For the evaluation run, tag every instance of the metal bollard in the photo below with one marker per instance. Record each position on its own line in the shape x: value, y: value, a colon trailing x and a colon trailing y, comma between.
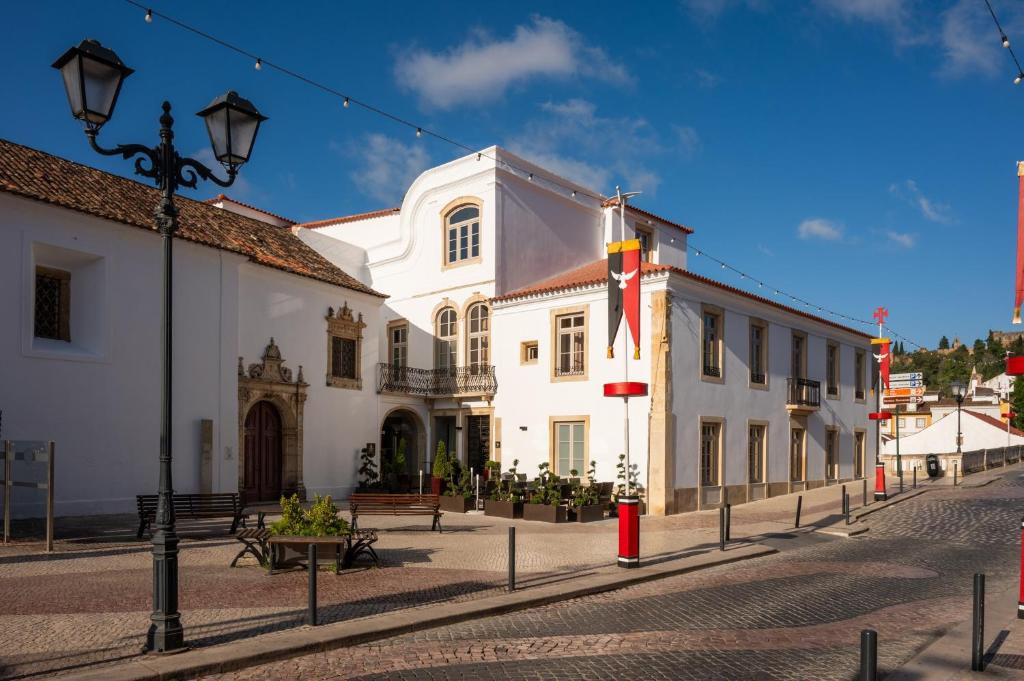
x: 721, y: 528
x: 799, y: 505
x: 728, y: 522
x: 846, y: 511
x: 978, y: 630
x: 954, y: 474
x: 868, y: 655
x: 842, y: 498
x: 901, y: 481
x: 311, y: 613
x: 511, y: 559
x: 864, y: 500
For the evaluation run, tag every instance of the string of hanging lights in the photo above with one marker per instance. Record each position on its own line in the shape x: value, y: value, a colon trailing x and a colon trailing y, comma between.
x: 574, y: 192
x: 1005, y: 42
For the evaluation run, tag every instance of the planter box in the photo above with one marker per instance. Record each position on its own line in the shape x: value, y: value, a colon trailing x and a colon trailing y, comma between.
x: 456, y: 504
x: 435, y: 485
x: 588, y: 514
x: 503, y: 509
x: 545, y: 513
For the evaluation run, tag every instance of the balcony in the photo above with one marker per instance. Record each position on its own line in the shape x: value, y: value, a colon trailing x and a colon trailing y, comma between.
x: 462, y: 381
x: 803, y: 396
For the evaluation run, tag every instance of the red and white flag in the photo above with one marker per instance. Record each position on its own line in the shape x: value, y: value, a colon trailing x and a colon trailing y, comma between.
x: 1020, y: 243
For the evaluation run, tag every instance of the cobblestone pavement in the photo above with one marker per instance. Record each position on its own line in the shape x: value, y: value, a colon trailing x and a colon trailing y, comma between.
x: 793, y: 615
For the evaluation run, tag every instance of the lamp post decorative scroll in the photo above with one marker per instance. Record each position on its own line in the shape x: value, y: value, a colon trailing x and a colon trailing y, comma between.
x: 93, y: 76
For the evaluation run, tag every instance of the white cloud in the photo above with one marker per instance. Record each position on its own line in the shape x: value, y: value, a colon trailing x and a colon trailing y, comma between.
x: 572, y: 140
x: 931, y: 210
x: 820, y: 228
x: 386, y: 166
x: 902, y: 239
x: 969, y: 41
x: 706, y: 79
x: 886, y: 12
x: 708, y: 11
x: 764, y: 250
x: 483, y: 68
x: 689, y: 140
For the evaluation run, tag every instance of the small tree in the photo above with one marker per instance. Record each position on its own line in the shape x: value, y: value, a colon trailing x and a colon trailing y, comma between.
x: 442, y: 464
x: 368, y: 469
x: 1017, y: 404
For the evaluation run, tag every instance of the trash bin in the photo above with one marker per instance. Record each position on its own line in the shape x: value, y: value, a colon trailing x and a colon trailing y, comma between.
x: 932, y: 461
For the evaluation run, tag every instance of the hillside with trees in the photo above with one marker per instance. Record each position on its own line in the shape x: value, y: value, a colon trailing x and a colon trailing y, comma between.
x: 945, y: 365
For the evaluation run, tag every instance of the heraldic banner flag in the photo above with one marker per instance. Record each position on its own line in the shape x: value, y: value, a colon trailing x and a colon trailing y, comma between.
x: 1019, y: 292
x: 624, y: 291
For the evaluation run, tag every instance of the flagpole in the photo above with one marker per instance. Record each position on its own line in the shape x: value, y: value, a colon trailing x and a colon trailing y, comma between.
x: 625, y: 339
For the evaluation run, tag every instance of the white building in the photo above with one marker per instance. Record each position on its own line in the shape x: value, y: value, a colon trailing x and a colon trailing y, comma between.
x: 491, y: 338
x: 979, y: 431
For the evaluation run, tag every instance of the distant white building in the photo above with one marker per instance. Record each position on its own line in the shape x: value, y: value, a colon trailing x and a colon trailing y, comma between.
x: 979, y: 431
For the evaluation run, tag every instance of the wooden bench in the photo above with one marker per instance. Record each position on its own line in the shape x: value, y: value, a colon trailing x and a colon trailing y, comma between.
x: 192, y: 506
x: 395, y: 504
x: 346, y: 547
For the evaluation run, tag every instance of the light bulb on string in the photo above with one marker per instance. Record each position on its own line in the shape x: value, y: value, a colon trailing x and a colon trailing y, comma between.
x: 345, y: 102
x: 530, y: 177
x: 259, y: 64
x: 419, y: 132
x: 1006, y: 42
x: 574, y: 193
x: 1018, y: 79
x: 149, y: 16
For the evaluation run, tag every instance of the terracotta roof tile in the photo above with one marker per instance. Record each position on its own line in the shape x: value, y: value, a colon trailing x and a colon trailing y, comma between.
x: 597, y: 273
x: 349, y: 218
x: 614, y: 201
x: 225, y: 197
x: 992, y: 421
x: 37, y: 175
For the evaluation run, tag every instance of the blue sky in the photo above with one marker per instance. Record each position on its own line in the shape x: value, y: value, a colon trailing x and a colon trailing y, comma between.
x: 851, y: 152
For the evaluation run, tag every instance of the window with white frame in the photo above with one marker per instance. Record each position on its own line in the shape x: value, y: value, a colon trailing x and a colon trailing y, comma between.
x: 756, y: 449
x: 344, y: 350
x: 758, y: 353
x: 919, y: 423
x: 646, y: 239
x: 478, y: 336
x: 711, y: 347
x: 799, y: 365
x: 446, y: 339
x: 462, y: 234
x: 831, y: 454
x: 570, y: 447
x: 796, y: 454
x: 859, y: 364
x: 52, y: 304
x: 832, y: 369
x: 398, y: 345
x: 710, y: 452
x: 571, y: 343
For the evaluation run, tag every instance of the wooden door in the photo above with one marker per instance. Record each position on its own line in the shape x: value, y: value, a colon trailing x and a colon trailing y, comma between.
x: 262, y: 475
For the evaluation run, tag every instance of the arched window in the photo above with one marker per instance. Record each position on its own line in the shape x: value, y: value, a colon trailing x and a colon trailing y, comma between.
x: 478, y: 335
x: 446, y: 333
x: 462, y: 233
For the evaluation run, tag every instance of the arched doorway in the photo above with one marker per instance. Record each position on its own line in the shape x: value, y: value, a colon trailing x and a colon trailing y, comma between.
x: 400, y: 445
x: 261, y: 479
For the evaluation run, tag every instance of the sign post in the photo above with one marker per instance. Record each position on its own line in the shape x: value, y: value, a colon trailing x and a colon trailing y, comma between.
x: 624, y: 267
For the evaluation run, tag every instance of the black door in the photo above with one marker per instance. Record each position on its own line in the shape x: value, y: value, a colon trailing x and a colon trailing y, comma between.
x: 478, y: 442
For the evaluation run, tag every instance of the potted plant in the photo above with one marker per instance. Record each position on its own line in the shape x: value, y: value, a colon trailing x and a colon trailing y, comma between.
x: 492, y: 469
x: 319, y: 520
x: 584, y: 505
x: 441, y: 469
x: 458, y: 498
x: 546, y: 500
x: 505, y: 501
x: 635, y: 488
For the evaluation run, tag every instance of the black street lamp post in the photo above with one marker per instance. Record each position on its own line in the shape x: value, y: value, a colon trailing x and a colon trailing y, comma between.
x: 92, y: 77
x: 959, y: 391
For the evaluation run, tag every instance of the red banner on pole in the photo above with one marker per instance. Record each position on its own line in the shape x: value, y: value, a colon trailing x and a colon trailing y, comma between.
x: 883, y: 363
x: 624, y: 291
x: 1020, y: 243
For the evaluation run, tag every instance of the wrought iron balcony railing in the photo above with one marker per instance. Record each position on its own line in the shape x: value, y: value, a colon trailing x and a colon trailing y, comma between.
x: 475, y: 379
x: 803, y: 392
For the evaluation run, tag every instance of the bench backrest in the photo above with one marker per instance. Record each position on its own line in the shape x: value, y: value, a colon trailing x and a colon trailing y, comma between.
x: 189, y: 504
x: 392, y: 500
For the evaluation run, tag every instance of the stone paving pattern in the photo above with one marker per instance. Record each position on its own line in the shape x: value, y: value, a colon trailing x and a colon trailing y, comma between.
x: 794, y: 615
x: 88, y: 603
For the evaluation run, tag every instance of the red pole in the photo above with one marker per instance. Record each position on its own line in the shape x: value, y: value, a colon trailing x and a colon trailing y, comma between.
x: 1020, y: 598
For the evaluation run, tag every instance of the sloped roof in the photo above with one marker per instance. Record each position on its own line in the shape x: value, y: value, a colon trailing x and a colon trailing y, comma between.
x: 383, y: 212
x: 596, y: 273
x: 43, y: 177
x: 225, y: 197
x: 614, y: 201
x: 992, y: 421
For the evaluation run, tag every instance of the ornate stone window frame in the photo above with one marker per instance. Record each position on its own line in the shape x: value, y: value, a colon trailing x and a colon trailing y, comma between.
x: 269, y: 380
x: 344, y: 325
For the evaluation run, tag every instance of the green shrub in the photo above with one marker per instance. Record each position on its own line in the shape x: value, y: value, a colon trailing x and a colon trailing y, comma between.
x: 442, y: 463
x: 320, y: 520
